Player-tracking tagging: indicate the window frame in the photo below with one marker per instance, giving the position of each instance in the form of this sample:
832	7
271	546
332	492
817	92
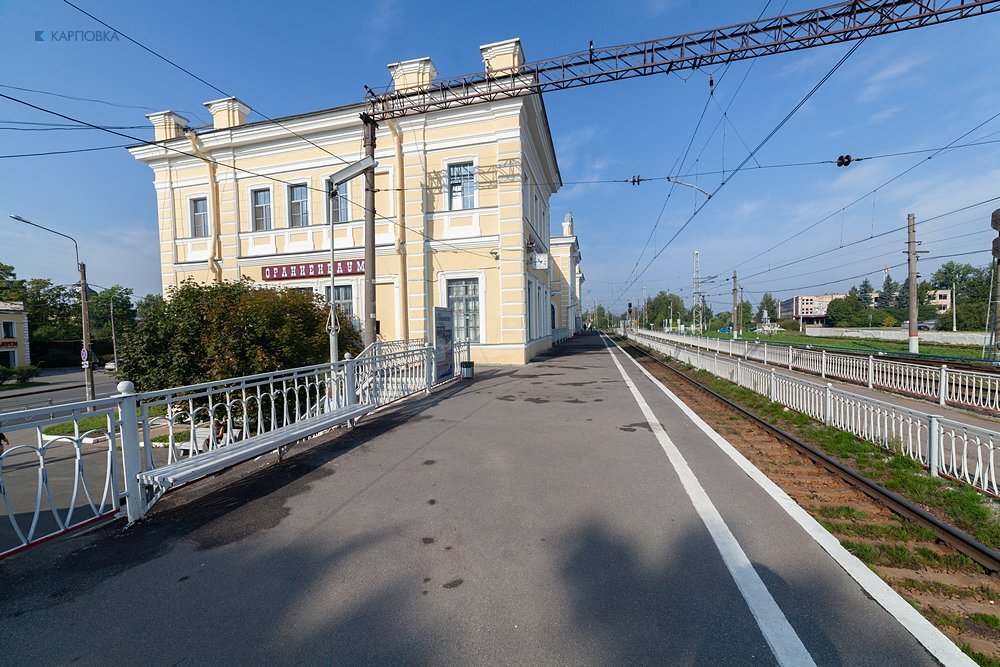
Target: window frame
253	208
191	219
473	164
442	279
308	204
13	329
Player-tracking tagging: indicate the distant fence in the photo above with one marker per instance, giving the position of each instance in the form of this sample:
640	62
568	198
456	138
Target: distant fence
945	386
945	447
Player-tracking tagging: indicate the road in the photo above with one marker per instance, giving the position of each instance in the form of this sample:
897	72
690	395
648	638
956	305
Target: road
564	512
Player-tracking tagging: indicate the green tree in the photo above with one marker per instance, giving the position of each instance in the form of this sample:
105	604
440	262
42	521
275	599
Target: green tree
887	296
841	312
100	311
769	305
210	332
865	291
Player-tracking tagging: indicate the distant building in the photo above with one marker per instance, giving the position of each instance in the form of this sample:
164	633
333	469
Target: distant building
939	298
807	309
567	278
14	349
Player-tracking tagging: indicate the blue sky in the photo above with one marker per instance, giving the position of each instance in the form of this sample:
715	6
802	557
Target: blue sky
914	90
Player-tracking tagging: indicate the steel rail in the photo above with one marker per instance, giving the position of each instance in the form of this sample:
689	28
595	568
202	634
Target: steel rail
842	22
961	541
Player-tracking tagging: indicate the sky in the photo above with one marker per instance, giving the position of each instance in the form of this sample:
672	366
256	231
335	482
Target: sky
910	91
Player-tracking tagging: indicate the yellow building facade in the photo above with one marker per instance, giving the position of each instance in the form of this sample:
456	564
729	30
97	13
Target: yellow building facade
462	207
15	349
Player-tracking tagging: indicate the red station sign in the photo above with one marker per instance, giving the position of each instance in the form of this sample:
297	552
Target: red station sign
342	267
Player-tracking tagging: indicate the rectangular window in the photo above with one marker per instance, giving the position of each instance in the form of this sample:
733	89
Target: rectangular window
339	206
531	313
461	186
463	299
298	206
343	297
8	330
7	359
199	218
261	210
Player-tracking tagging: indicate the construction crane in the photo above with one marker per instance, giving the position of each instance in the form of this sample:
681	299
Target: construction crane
843	22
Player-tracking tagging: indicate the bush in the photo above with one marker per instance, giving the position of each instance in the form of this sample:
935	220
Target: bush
6	374
202	333
24	374
789	325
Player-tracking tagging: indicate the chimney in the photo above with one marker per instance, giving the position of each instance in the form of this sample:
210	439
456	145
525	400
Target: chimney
568	224
227	112
167	125
501	56
412	74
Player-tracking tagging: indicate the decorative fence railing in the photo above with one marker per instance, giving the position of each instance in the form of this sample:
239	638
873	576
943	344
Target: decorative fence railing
946	386
73	464
945	447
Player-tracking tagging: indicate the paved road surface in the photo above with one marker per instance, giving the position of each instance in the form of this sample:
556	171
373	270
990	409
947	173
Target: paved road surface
530	517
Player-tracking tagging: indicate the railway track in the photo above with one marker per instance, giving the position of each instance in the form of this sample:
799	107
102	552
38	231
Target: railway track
949	576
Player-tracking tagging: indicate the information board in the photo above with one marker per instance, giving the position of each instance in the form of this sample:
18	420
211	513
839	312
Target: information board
444	343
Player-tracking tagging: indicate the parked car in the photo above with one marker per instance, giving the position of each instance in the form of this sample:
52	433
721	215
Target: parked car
111	366
725	330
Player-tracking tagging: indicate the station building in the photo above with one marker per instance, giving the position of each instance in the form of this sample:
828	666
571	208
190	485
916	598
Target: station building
15	349
462	205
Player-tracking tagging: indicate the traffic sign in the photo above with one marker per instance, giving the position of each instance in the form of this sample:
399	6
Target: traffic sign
83	354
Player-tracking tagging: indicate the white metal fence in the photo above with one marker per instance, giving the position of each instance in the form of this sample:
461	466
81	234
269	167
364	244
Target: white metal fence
946	386
945	447
119	455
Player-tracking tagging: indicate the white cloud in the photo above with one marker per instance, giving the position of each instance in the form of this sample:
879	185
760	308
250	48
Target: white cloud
890	76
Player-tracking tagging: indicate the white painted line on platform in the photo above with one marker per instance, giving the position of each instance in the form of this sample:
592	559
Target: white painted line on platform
935	641
788	649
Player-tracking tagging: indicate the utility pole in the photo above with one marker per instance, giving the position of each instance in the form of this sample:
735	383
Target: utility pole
742	299
369	146
735	331
86	355
954	308
696	311
995	223
114	338
911	263
88	362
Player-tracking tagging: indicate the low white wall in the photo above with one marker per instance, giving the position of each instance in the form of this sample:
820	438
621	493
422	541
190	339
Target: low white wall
950	337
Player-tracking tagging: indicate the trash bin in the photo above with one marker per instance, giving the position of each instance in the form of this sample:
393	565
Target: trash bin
468	369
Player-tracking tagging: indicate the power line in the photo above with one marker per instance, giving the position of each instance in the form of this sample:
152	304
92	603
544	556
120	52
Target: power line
774	131
62	152
934	154
195	76
229	166
88	99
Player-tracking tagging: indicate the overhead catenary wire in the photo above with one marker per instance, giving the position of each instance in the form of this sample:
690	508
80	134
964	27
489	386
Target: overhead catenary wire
747	159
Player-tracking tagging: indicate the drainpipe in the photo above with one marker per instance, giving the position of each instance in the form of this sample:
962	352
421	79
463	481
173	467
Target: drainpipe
401	229
215	242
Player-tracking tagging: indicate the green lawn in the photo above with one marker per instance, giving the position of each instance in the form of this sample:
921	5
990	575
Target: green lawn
98	422
22	385
861	344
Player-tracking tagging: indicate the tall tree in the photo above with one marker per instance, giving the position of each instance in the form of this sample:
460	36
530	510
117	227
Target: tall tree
865	292
887	297
769	305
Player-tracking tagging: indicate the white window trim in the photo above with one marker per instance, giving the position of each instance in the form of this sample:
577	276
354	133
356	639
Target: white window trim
13	353
442	279
457	160
327	213
13	324
288	203
250	207
189	215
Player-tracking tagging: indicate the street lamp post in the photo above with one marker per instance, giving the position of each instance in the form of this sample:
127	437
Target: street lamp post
86	355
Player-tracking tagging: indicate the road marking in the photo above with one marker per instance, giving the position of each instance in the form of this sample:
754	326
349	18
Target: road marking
785	644
932	639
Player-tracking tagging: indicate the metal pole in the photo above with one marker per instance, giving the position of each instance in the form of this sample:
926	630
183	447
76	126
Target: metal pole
88	369
369	145
911	263
954	308
996	305
334	324
735	331
114	338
